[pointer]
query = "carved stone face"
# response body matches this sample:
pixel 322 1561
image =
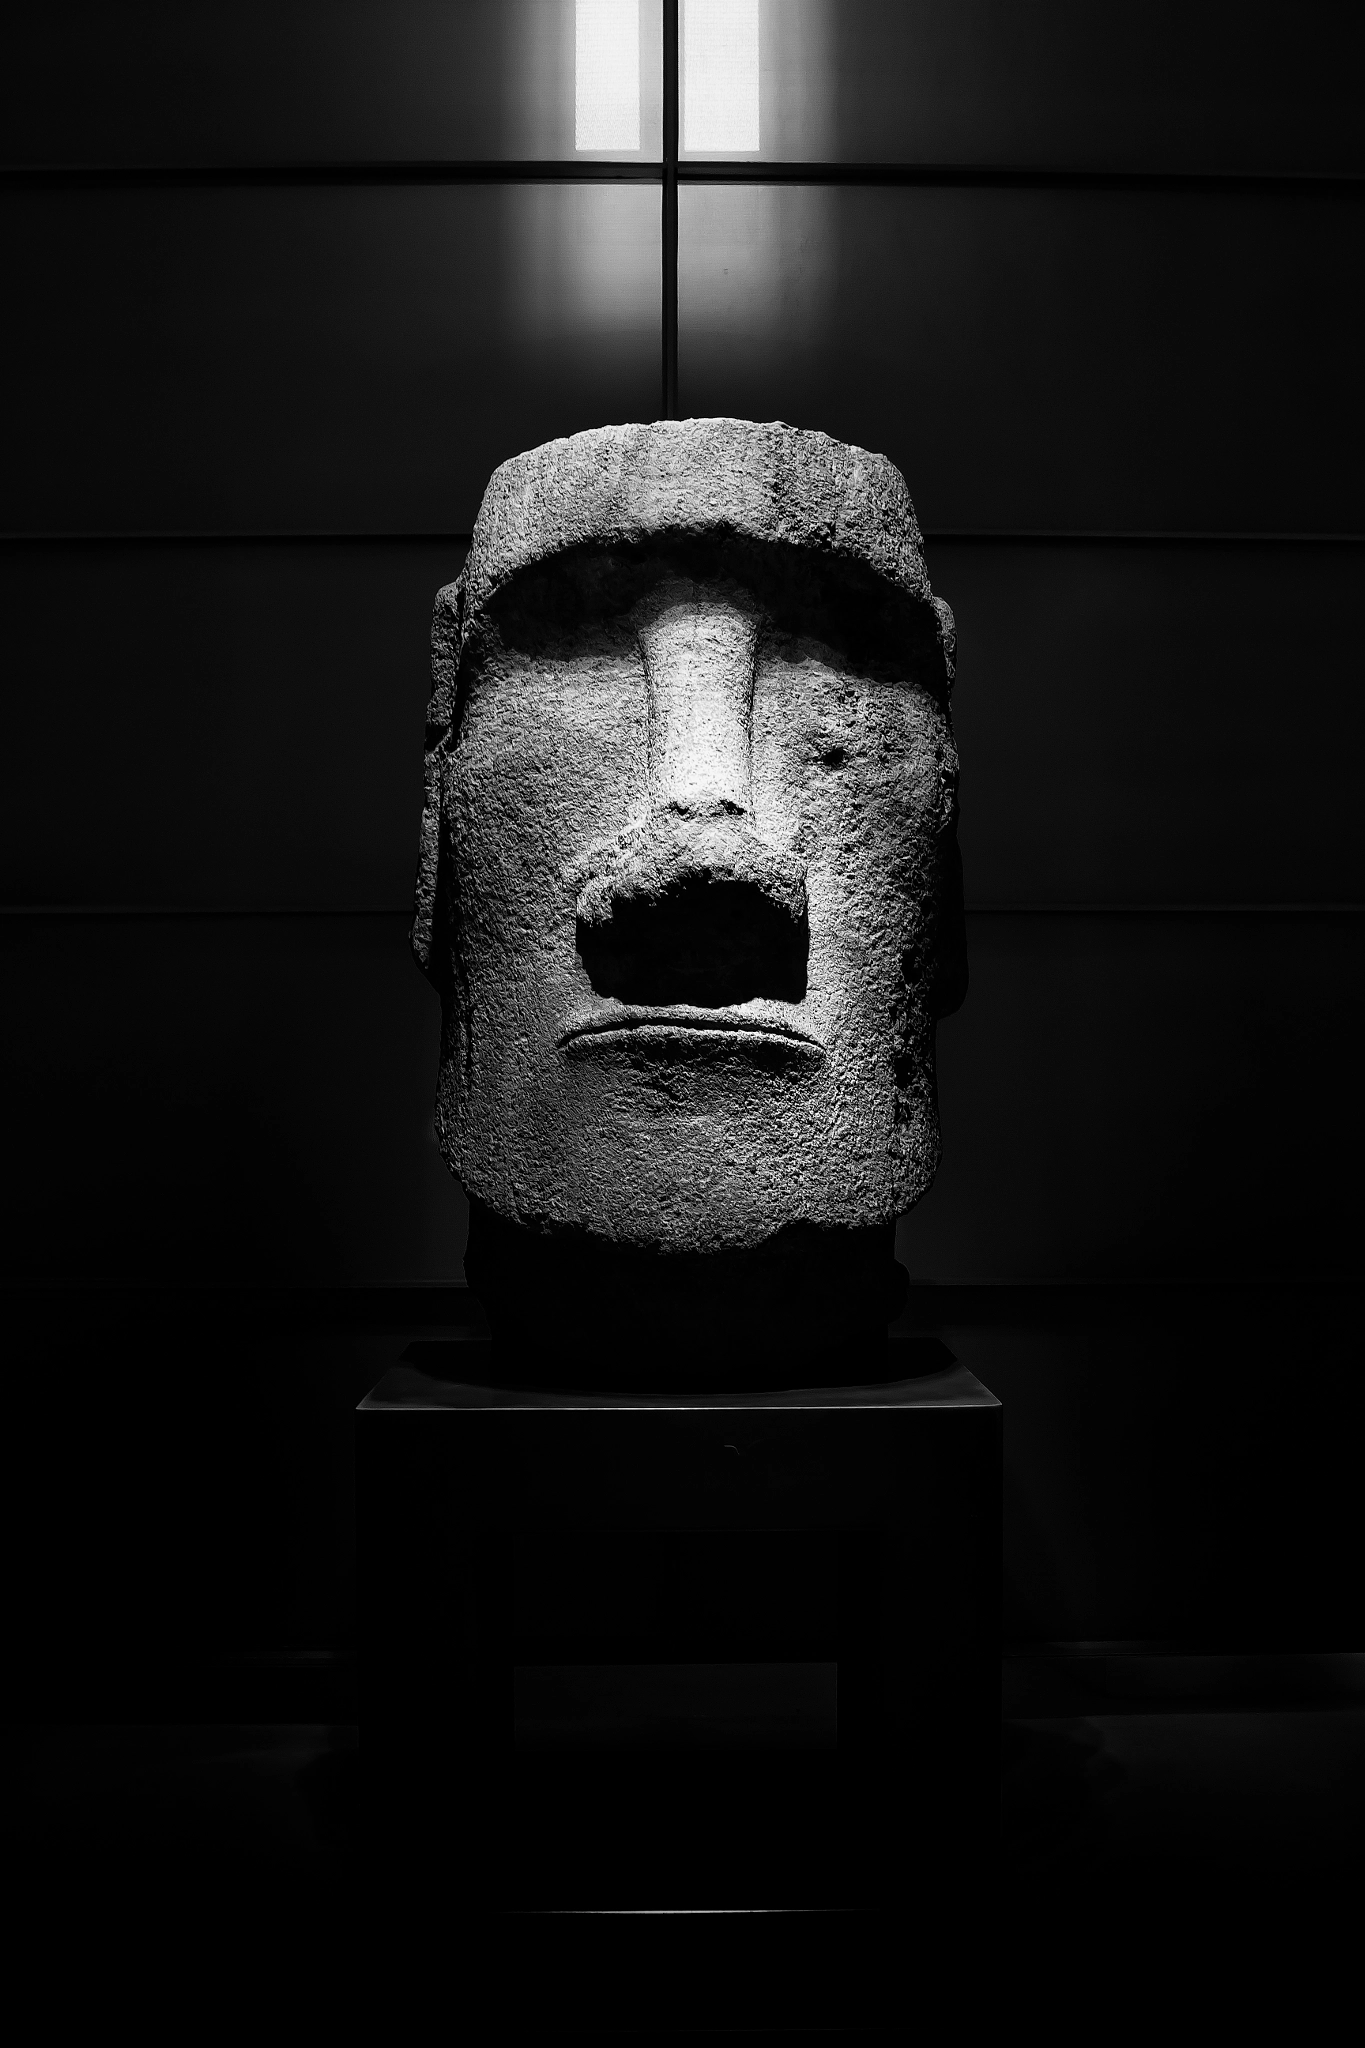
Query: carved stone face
pixel 689 884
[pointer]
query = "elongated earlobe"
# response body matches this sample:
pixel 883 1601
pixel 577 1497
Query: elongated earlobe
pixel 428 920
pixel 425 921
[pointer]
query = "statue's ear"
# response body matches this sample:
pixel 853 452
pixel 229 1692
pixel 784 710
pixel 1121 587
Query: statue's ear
pixel 428 924
pixel 947 641
pixel 950 953
pixel 426 921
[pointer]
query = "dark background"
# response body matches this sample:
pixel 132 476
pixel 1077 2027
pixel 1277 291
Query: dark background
pixel 263 346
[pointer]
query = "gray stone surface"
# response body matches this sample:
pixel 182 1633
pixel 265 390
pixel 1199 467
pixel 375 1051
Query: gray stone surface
pixel 688 882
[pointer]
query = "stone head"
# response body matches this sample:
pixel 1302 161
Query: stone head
pixel 688 884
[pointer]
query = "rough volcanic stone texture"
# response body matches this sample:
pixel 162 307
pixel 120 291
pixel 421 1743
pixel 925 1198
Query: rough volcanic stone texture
pixel 688 882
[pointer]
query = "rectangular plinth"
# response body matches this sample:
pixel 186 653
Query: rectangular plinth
pixel 632 1651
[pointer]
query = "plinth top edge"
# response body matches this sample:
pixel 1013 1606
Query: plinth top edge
pixel 405 1387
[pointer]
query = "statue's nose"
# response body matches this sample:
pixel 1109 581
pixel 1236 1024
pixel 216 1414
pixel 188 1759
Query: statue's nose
pixel 698 650
pixel 695 906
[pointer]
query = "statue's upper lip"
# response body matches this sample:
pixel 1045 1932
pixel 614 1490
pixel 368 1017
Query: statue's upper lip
pixel 685 1019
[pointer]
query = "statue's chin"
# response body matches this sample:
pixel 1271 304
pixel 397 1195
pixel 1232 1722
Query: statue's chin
pixel 679 1179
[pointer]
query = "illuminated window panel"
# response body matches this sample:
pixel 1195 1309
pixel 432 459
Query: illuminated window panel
pixel 607 75
pixel 720 77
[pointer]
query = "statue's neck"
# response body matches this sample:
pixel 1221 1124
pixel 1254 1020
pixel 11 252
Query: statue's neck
pixel 807 1302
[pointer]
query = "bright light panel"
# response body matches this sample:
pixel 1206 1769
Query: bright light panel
pixel 720 75
pixel 607 74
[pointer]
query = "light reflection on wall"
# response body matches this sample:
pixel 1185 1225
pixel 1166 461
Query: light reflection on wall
pixel 582 264
pixel 758 283
pixel 576 253
pixel 607 75
pixel 799 47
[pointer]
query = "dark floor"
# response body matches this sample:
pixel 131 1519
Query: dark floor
pixel 1211 1854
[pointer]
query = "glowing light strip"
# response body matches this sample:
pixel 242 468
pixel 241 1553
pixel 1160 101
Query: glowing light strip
pixel 607 74
pixel 720 75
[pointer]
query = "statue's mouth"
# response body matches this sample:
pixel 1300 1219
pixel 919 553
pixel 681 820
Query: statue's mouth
pixel 680 1030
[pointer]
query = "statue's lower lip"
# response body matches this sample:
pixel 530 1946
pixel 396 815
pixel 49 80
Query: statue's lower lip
pixel 685 1027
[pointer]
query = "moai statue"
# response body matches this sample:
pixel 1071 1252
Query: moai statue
pixel 689 887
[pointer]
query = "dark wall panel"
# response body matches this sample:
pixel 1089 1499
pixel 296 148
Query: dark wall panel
pixel 1150 1097
pixel 178 1486
pixel 322 359
pixel 1043 360
pixel 240 1100
pixel 240 726
pixel 1158 724
pixel 1177 85
pixel 237 726
pixel 1178 1462
pixel 298 81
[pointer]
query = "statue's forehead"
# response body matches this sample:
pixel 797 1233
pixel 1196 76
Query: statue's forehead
pixel 763 483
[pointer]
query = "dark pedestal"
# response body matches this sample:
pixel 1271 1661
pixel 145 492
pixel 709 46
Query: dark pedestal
pixel 710 1651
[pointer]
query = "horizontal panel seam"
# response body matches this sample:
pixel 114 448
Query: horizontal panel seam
pixel 693 171
pixel 1038 177
pixel 1118 909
